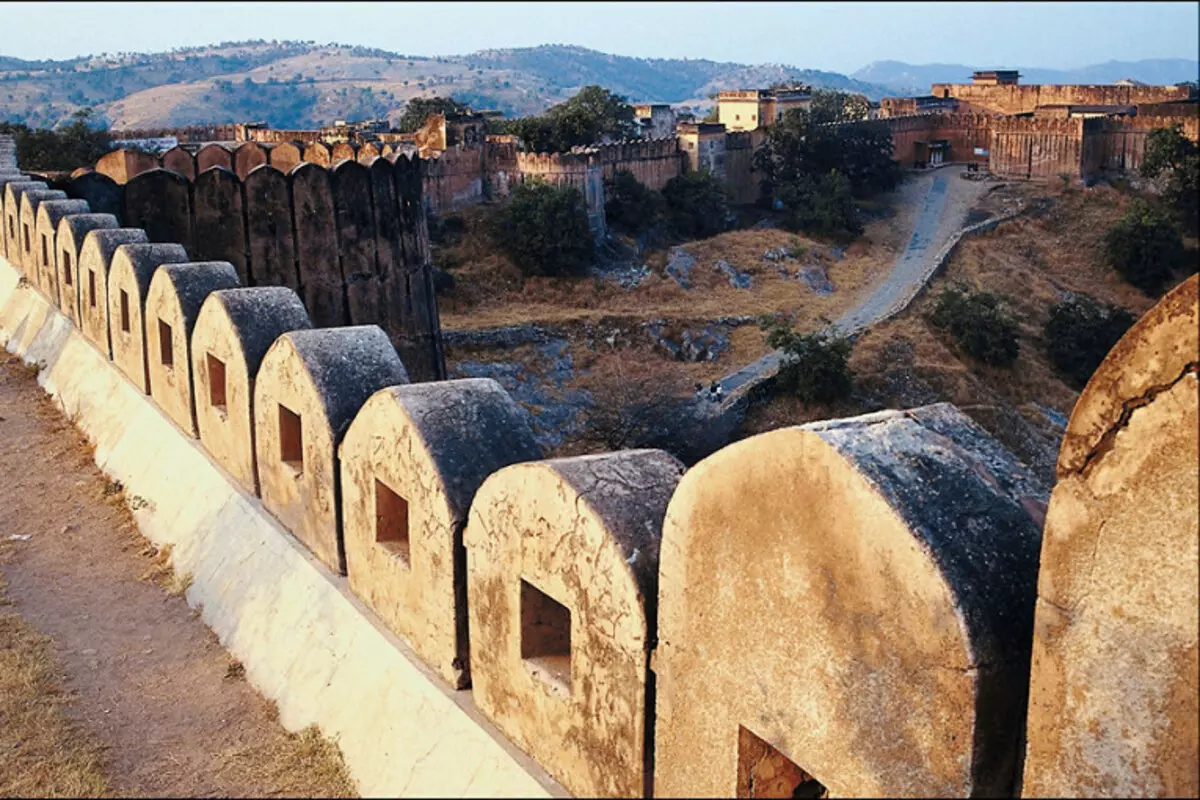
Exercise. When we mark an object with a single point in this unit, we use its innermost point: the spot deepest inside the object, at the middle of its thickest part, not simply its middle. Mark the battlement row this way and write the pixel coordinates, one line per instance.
(889, 604)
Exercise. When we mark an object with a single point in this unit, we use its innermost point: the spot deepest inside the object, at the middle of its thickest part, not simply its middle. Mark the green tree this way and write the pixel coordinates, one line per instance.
(1079, 333)
(1145, 248)
(584, 119)
(823, 206)
(830, 106)
(978, 324)
(697, 205)
(543, 229)
(1174, 160)
(629, 206)
(70, 147)
(814, 367)
(417, 110)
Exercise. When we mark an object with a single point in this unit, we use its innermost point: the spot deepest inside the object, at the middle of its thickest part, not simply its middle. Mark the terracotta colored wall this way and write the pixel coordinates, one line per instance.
(1021, 99)
(1036, 148)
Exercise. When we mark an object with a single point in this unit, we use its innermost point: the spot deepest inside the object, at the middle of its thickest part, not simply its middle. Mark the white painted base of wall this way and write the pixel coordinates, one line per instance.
(305, 641)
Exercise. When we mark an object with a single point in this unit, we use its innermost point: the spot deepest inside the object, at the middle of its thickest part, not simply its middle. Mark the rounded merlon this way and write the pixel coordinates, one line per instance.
(347, 365)
(146, 258)
(260, 315)
(194, 281)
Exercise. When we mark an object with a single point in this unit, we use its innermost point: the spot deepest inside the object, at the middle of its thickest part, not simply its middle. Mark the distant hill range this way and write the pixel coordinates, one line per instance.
(906, 79)
(305, 85)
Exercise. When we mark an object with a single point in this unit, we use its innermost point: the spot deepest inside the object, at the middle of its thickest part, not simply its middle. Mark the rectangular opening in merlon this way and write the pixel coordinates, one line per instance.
(291, 439)
(216, 381)
(124, 311)
(546, 637)
(67, 267)
(45, 250)
(391, 522)
(763, 771)
(92, 288)
(165, 345)
(25, 228)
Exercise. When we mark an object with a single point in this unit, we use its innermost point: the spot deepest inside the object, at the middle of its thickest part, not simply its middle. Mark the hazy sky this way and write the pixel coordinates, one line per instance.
(834, 36)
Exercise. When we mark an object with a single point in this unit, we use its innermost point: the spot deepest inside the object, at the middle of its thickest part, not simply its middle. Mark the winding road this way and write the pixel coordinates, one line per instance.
(943, 211)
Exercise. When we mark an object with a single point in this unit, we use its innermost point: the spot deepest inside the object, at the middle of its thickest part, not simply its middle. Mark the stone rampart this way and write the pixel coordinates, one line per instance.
(1022, 99)
(846, 606)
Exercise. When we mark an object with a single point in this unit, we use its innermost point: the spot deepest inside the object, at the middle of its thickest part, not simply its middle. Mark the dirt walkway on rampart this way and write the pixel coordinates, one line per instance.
(151, 684)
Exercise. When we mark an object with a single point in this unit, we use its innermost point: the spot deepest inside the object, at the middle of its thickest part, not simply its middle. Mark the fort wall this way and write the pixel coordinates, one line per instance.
(636, 632)
(1019, 99)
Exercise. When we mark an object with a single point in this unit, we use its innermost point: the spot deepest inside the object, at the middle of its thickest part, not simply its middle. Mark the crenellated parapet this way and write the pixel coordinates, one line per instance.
(864, 606)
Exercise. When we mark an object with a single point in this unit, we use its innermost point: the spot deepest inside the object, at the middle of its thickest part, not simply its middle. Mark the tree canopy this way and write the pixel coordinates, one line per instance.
(70, 147)
(1174, 160)
(584, 119)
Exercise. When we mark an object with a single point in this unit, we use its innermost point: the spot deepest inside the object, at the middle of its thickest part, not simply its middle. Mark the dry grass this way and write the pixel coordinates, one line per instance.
(303, 764)
(490, 291)
(1031, 261)
(44, 752)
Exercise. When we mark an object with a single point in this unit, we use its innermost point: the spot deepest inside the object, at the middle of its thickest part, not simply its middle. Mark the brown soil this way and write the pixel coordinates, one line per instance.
(121, 688)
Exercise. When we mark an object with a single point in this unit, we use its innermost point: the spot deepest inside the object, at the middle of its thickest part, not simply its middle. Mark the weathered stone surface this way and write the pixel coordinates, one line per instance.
(159, 202)
(179, 160)
(27, 223)
(309, 387)
(50, 213)
(269, 229)
(1113, 690)
(321, 284)
(317, 153)
(72, 233)
(220, 220)
(247, 156)
(285, 156)
(867, 615)
(233, 332)
(412, 461)
(102, 193)
(91, 274)
(129, 275)
(562, 565)
(342, 151)
(14, 239)
(5, 179)
(213, 155)
(177, 291)
(352, 195)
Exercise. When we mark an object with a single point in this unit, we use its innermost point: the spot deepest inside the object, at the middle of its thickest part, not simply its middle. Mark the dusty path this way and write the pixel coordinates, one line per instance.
(944, 204)
(152, 685)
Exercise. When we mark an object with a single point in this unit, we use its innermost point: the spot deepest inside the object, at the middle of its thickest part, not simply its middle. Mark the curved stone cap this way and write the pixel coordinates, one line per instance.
(347, 365)
(259, 316)
(80, 224)
(55, 210)
(146, 258)
(470, 429)
(976, 509)
(194, 281)
(41, 195)
(107, 240)
(1152, 355)
(14, 189)
(629, 491)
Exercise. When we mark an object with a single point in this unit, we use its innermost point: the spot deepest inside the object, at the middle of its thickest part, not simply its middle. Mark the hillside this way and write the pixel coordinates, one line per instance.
(904, 78)
(301, 84)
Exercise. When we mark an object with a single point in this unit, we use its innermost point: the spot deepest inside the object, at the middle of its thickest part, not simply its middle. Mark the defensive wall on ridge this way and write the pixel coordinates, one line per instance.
(885, 605)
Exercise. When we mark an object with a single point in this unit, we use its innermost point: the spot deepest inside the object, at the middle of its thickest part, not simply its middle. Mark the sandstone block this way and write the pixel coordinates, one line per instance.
(412, 461)
(233, 332)
(846, 606)
(14, 237)
(562, 563)
(49, 215)
(72, 233)
(1113, 705)
(132, 268)
(309, 387)
(27, 224)
(91, 275)
(177, 291)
